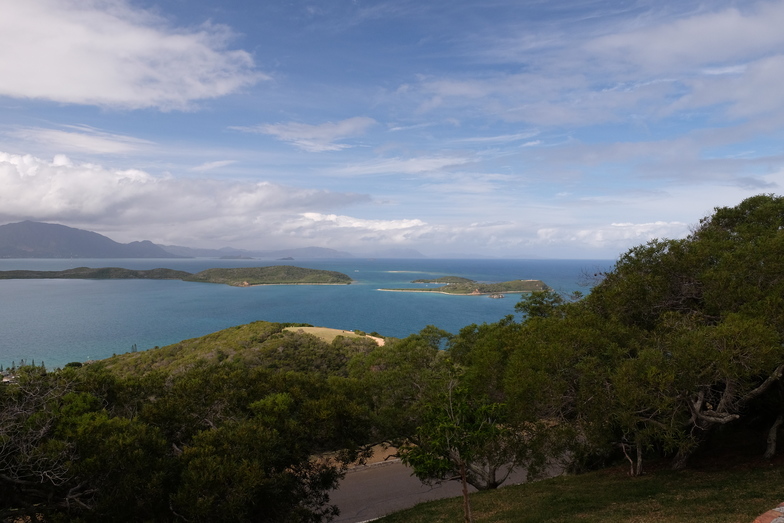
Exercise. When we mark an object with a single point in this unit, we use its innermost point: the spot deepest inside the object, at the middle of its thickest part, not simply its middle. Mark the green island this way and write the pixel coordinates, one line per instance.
(238, 277)
(466, 287)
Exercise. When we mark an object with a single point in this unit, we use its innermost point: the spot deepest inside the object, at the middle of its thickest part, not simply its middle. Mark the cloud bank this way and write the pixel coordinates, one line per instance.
(163, 209)
(112, 54)
(131, 204)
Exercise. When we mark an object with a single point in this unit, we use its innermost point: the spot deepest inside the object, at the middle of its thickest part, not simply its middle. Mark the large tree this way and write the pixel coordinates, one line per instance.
(682, 336)
(709, 308)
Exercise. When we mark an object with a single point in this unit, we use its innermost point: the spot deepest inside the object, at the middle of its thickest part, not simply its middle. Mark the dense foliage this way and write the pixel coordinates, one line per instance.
(675, 351)
(680, 344)
(259, 428)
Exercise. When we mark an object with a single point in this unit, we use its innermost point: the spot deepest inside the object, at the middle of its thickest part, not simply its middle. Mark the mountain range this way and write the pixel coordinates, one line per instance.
(47, 240)
(29, 239)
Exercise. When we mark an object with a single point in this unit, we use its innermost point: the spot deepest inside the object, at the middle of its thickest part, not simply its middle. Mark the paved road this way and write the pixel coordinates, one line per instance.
(371, 492)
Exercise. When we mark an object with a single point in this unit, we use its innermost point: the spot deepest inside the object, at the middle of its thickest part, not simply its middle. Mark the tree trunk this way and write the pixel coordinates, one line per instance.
(638, 472)
(682, 457)
(635, 467)
(467, 517)
(773, 434)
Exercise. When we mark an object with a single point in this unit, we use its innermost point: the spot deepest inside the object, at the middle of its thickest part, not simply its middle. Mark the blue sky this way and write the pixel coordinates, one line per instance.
(508, 128)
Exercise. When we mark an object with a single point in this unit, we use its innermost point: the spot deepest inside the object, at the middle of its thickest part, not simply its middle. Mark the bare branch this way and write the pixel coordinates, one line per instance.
(775, 376)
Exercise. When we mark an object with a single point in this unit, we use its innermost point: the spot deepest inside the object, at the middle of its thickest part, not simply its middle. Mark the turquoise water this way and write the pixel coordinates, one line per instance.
(57, 321)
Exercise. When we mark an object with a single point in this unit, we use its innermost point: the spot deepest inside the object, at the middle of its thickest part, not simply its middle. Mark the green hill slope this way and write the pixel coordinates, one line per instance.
(261, 343)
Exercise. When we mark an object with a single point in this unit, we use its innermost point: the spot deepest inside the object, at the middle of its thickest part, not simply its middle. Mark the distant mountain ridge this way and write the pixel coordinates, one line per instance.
(302, 252)
(30, 239)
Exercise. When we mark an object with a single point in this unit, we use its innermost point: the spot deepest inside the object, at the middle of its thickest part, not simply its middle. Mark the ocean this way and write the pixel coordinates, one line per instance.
(59, 321)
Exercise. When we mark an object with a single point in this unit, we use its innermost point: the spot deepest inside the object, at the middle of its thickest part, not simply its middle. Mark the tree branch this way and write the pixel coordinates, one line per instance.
(775, 376)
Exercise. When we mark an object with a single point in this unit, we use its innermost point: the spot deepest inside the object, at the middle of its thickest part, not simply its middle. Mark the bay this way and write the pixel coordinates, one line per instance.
(58, 321)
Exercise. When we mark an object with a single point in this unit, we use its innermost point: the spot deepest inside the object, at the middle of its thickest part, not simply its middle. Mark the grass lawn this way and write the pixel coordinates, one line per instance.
(717, 491)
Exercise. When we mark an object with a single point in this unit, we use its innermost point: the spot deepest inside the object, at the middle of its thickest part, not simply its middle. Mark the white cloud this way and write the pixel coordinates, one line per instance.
(417, 165)
(719, 37)
(504, 138)
(357, 232)
(315, 138)
(398, 128)
(82, 139)
(609, 240)
(654, 66)
(112, 54)
(357, 223)
(209, 166)
(754, 92)
(158, 208)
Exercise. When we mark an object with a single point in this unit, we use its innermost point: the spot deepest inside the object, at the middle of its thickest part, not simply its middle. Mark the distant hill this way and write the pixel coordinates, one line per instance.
(48, 240)
(31, 239)
(300, 253)
(394, 253)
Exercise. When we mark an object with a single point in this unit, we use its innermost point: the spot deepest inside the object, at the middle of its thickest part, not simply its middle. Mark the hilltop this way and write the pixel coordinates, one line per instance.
(279, 346)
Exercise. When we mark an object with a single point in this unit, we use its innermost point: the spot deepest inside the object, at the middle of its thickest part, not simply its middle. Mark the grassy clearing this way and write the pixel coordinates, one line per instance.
(328, 335)
(719, 492)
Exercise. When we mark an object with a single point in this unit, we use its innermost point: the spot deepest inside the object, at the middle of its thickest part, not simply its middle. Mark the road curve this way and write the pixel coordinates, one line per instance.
(373, 491)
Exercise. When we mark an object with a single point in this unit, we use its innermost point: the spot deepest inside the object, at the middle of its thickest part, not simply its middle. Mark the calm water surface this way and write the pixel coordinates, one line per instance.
(57, 321)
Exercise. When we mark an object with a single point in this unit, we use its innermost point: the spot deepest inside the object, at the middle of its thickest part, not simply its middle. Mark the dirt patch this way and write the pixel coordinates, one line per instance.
(328, 335)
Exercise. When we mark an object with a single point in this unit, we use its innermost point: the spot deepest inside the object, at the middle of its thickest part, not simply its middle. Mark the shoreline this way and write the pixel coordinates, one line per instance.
(423, 291)
(291, 283)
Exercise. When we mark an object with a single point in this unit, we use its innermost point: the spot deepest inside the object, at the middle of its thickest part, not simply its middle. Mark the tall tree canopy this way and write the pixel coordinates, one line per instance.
(680, 337)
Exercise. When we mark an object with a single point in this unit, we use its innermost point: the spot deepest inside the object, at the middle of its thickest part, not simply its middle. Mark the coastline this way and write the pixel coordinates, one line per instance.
(292, 283)
(425, 291)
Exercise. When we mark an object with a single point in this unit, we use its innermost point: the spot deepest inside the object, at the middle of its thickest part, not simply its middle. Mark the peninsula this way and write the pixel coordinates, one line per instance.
(238, 277)
(465, 287)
